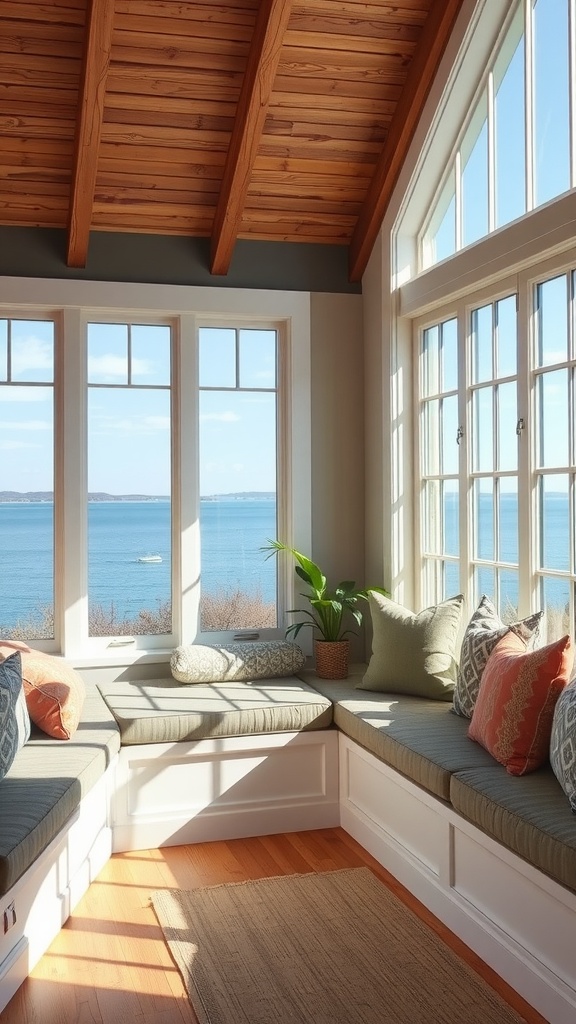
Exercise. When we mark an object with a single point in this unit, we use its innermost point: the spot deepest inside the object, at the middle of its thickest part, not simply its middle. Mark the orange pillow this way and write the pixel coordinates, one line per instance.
(54, 690)
(513, 715)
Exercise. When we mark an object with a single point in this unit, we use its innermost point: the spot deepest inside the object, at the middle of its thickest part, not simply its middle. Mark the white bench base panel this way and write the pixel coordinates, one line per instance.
(169, 794)
(42, 899)
(520, 922)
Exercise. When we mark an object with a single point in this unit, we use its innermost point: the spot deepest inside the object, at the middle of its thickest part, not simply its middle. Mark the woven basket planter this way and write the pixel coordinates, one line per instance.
(331, 658)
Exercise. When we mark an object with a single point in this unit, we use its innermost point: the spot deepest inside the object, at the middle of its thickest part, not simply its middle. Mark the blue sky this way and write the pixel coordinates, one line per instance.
(129, 427)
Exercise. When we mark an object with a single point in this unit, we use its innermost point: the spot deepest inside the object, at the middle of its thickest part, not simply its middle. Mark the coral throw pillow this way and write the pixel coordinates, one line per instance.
(513, 715)
(54, 690)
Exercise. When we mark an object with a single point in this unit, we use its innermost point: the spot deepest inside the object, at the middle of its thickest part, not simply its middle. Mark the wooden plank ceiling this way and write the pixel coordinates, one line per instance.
(267, 119)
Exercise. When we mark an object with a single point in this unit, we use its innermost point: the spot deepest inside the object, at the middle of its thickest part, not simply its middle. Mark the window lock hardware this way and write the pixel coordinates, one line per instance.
(520, 426)
(459, 434)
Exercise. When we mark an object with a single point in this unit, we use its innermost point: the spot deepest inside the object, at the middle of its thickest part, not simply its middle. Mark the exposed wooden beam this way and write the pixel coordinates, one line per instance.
(97, 45)
(422, 70)
(263, 57)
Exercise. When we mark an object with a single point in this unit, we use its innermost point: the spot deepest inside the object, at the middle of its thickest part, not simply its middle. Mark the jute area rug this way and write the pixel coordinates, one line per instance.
(330, 948)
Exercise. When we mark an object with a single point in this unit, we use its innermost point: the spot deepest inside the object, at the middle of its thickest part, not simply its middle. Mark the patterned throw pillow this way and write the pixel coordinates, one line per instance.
(413, 653)
(515, 707)
(482, 634)
(240, 662)
(14, 723)
(54, 691)
(563, 742)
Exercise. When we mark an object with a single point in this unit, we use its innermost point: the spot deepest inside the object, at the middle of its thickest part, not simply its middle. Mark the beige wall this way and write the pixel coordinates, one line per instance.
(337, 382)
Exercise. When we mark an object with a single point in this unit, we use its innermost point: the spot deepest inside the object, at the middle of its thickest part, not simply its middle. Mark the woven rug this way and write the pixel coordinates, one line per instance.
(330, 948)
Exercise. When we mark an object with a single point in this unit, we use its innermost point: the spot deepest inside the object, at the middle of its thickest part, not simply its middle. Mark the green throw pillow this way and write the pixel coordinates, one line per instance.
(413, 653)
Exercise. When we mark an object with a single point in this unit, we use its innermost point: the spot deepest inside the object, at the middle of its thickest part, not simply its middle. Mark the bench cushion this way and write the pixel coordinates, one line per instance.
(46, 782)
(529, 814)
(163, 711)
(422, 739)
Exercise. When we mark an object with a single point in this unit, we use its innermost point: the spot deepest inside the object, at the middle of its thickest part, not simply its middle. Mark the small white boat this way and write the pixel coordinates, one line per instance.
(150, 558)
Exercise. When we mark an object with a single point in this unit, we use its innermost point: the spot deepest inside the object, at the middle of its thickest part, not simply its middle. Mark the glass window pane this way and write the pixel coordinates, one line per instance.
(508, 521)
(508, 587)
(450, 449)
(217, 357)
(475, 178)
(451, 580)
(449, 351)
(431, 434)
(481, 340)
(430, 361)
(506, 400)
(551, 99)
(482, 432)
(27, 518)
(150, 354)
(551, 321)
(484, 583)
(257, 359)
(432, 517)
(439, 241)
(107, 353)
(32, 350)
(555, 530)
(552, 390)
(451, 518)
(509, 127)
(506, 344)
(555, 600)
(484, 519)
(129, 511)
(238, 509)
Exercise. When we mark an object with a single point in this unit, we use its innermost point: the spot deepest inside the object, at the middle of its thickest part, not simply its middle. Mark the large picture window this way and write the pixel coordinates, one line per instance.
(147, 461)
(514, 150)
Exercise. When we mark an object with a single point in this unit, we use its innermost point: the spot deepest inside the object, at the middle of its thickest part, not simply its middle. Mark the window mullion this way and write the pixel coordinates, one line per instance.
(71, 600)
(529, 102)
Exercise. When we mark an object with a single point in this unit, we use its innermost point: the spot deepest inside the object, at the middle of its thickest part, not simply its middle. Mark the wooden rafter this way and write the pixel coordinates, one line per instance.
(423, 68)
(98, 42)
(271, 24)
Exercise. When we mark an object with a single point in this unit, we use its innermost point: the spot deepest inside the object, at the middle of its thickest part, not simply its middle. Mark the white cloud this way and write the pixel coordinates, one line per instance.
(16, 426)
(221, 417)
(10, 393)
(10, 446)
(114, 367)
(31, 353)
(136, 425)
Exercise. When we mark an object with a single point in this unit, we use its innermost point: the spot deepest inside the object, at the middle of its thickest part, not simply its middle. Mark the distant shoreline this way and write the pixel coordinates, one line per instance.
(47, 497)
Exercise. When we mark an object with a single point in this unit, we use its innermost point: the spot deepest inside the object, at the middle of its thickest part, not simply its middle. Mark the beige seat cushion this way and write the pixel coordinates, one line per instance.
(164, 711)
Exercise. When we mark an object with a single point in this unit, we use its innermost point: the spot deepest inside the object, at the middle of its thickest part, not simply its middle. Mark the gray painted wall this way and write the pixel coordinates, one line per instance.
(173, 259)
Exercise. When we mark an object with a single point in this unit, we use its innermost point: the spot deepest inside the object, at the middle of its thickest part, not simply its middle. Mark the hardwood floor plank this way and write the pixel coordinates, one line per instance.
(110, 961)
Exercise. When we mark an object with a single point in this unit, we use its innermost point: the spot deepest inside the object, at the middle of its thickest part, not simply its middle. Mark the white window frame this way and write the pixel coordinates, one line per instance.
(75, 303)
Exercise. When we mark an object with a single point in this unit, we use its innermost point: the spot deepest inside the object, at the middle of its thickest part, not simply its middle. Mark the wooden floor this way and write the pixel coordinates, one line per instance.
(110, 963)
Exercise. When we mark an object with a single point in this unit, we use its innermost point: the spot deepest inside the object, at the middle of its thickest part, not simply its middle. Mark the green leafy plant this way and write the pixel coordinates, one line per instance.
(329, 606)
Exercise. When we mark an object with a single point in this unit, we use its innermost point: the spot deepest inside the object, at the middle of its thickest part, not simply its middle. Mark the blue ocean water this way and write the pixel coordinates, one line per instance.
(119, 533)
(233, 532)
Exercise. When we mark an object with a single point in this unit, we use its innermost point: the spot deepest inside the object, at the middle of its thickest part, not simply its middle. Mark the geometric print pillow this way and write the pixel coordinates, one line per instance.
(237, 662)
(484, 631)
(563, 742)
(13, 733)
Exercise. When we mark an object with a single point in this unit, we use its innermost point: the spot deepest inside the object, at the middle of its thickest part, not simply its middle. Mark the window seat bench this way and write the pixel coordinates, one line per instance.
(493, 856)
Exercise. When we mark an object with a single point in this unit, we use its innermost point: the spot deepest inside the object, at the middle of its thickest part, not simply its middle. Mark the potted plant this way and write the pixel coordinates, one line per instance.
(329, 609)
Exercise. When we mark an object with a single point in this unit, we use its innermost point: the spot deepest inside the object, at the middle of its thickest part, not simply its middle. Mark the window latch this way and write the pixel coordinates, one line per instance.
(520, 426)
(459, 434)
